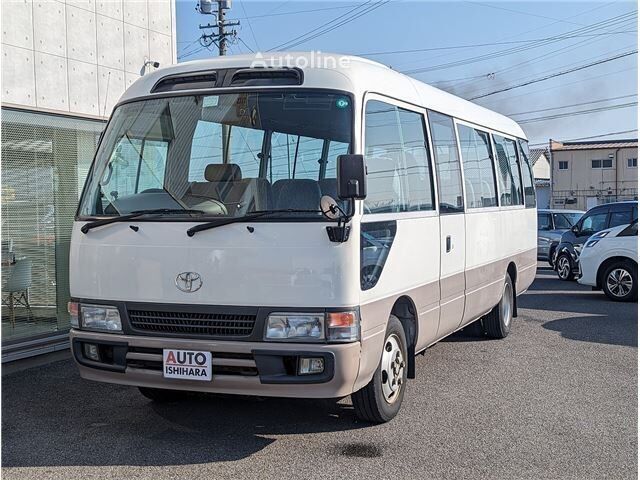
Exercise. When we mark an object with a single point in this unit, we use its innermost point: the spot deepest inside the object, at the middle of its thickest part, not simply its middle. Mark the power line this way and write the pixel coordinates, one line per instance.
(565, 49)
(610, 134)
(563, 20)
(563, 72)
(189, 45)
(521, 34)
(477, 45)
(581, 81)
(579, 112)
(509, 51)
(344, 22)
(572, 105)
(358, 7)
(297, 12)
(348, 17)
(543, 57)
(250, 28)
(456, 83)
(245, 44)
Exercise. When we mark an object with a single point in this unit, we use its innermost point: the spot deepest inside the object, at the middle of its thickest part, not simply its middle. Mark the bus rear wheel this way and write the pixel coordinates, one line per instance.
(380, 400)
(497, 323)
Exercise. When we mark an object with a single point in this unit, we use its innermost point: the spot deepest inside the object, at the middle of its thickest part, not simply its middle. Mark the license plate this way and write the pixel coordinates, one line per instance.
(186, 364)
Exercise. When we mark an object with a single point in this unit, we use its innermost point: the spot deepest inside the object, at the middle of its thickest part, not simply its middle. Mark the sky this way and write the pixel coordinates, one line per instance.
(469, 49)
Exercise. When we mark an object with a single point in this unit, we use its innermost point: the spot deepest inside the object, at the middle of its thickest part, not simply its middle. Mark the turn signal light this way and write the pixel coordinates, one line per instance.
(343, 326)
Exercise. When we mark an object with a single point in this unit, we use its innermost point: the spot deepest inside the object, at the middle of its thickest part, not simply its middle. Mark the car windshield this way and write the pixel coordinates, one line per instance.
(566, 220)
(226, 155)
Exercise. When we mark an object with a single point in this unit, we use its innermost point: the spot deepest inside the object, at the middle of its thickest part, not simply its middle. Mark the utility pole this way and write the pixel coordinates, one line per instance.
(219, 38)
(222, 47)
(220, 34)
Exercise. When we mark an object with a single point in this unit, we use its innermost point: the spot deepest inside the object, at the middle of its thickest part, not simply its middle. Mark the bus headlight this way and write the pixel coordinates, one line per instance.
(100, 317)
(295, 326)
(305, 327)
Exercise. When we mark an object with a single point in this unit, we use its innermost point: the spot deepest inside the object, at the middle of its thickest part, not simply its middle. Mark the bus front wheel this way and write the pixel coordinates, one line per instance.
(379, 401)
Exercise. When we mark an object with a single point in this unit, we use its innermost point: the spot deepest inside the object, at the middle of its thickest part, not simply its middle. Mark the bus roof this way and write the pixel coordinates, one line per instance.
(340, 72)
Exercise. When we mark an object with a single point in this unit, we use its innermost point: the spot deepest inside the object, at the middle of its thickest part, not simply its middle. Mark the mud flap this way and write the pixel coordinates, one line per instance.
(411, 362)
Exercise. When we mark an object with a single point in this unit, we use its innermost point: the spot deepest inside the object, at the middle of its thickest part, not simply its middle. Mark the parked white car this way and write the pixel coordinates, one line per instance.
(609, 261)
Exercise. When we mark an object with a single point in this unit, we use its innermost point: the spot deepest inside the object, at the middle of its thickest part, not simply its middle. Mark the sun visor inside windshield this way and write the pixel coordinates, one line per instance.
(284, 113)
(153, 123)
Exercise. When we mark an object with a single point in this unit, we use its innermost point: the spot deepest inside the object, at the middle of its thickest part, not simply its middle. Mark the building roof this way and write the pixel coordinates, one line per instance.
(536, 153)
(339, 72)
(595, 145)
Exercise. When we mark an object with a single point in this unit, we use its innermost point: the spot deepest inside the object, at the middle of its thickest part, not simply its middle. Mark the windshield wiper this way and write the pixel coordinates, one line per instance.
(138, 213)
(250, 216)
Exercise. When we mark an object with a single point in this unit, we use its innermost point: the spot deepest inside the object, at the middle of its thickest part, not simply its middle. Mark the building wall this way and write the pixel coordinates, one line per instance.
(65, 63)
(543, 196)
(588, 185)
(542, 169)
(78, 56)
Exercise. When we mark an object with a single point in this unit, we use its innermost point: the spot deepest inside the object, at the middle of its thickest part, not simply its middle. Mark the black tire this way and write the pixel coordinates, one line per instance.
(497, 323)
(369, 402)
(161, 395)
(563, 267)
(620, 270)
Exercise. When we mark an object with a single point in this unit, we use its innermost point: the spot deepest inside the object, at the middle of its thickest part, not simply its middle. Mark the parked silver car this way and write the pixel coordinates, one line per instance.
(551, 225)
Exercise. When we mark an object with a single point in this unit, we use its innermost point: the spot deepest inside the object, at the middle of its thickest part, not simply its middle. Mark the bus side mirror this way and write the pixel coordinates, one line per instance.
(352, 181)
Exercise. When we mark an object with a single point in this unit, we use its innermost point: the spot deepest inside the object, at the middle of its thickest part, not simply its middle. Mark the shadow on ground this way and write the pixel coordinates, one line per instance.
(56, 418)
(587, 315)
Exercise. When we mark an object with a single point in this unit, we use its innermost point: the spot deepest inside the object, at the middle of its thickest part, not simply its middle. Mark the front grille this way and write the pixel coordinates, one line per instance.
(190, 323)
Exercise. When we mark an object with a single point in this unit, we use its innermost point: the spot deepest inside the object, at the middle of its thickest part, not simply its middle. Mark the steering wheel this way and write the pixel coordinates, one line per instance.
(220, 207)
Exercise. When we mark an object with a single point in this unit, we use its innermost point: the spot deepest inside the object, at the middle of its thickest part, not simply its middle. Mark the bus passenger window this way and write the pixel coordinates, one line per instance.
(398, 172)
(527, 175)
(508, 171)
(445, 150)
(477, 165)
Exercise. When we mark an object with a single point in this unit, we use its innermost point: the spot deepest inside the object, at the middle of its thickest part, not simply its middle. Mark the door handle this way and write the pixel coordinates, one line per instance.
(449, 244)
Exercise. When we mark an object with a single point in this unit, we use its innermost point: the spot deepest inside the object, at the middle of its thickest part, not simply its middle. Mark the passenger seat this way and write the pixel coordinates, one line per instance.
(301, 194)
(218, 178)
(329, 186)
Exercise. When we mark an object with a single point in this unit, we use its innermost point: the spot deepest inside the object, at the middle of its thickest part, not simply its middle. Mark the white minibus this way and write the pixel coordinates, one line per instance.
(296, 226)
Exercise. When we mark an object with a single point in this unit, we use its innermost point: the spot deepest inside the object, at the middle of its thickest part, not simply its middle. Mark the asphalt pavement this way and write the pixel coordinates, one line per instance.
(556, 399)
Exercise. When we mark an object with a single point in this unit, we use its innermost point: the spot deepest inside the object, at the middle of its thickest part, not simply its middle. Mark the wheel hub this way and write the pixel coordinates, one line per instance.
(563, 267)
(619, 282)
(507, 300)
(392, 368)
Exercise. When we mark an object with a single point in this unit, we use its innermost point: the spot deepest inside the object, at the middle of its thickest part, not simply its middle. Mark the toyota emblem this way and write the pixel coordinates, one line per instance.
(188, 282)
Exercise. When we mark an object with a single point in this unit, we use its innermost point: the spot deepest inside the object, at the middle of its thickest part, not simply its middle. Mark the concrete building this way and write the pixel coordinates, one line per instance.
(64, 65)
(585, 174)
(542, 175)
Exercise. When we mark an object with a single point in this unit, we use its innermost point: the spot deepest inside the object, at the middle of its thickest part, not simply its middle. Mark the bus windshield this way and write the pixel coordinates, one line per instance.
(222, 155)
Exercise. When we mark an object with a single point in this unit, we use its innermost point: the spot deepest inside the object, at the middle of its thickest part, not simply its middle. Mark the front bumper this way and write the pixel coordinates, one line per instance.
(239, 367)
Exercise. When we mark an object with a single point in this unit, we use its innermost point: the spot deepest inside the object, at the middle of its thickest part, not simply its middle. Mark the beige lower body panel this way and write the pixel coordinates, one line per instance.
(347, 359)
(439, 318)
(375, 315)
(485, 283)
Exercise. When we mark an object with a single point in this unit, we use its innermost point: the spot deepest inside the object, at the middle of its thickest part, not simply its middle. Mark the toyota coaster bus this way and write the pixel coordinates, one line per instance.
(295, 230)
